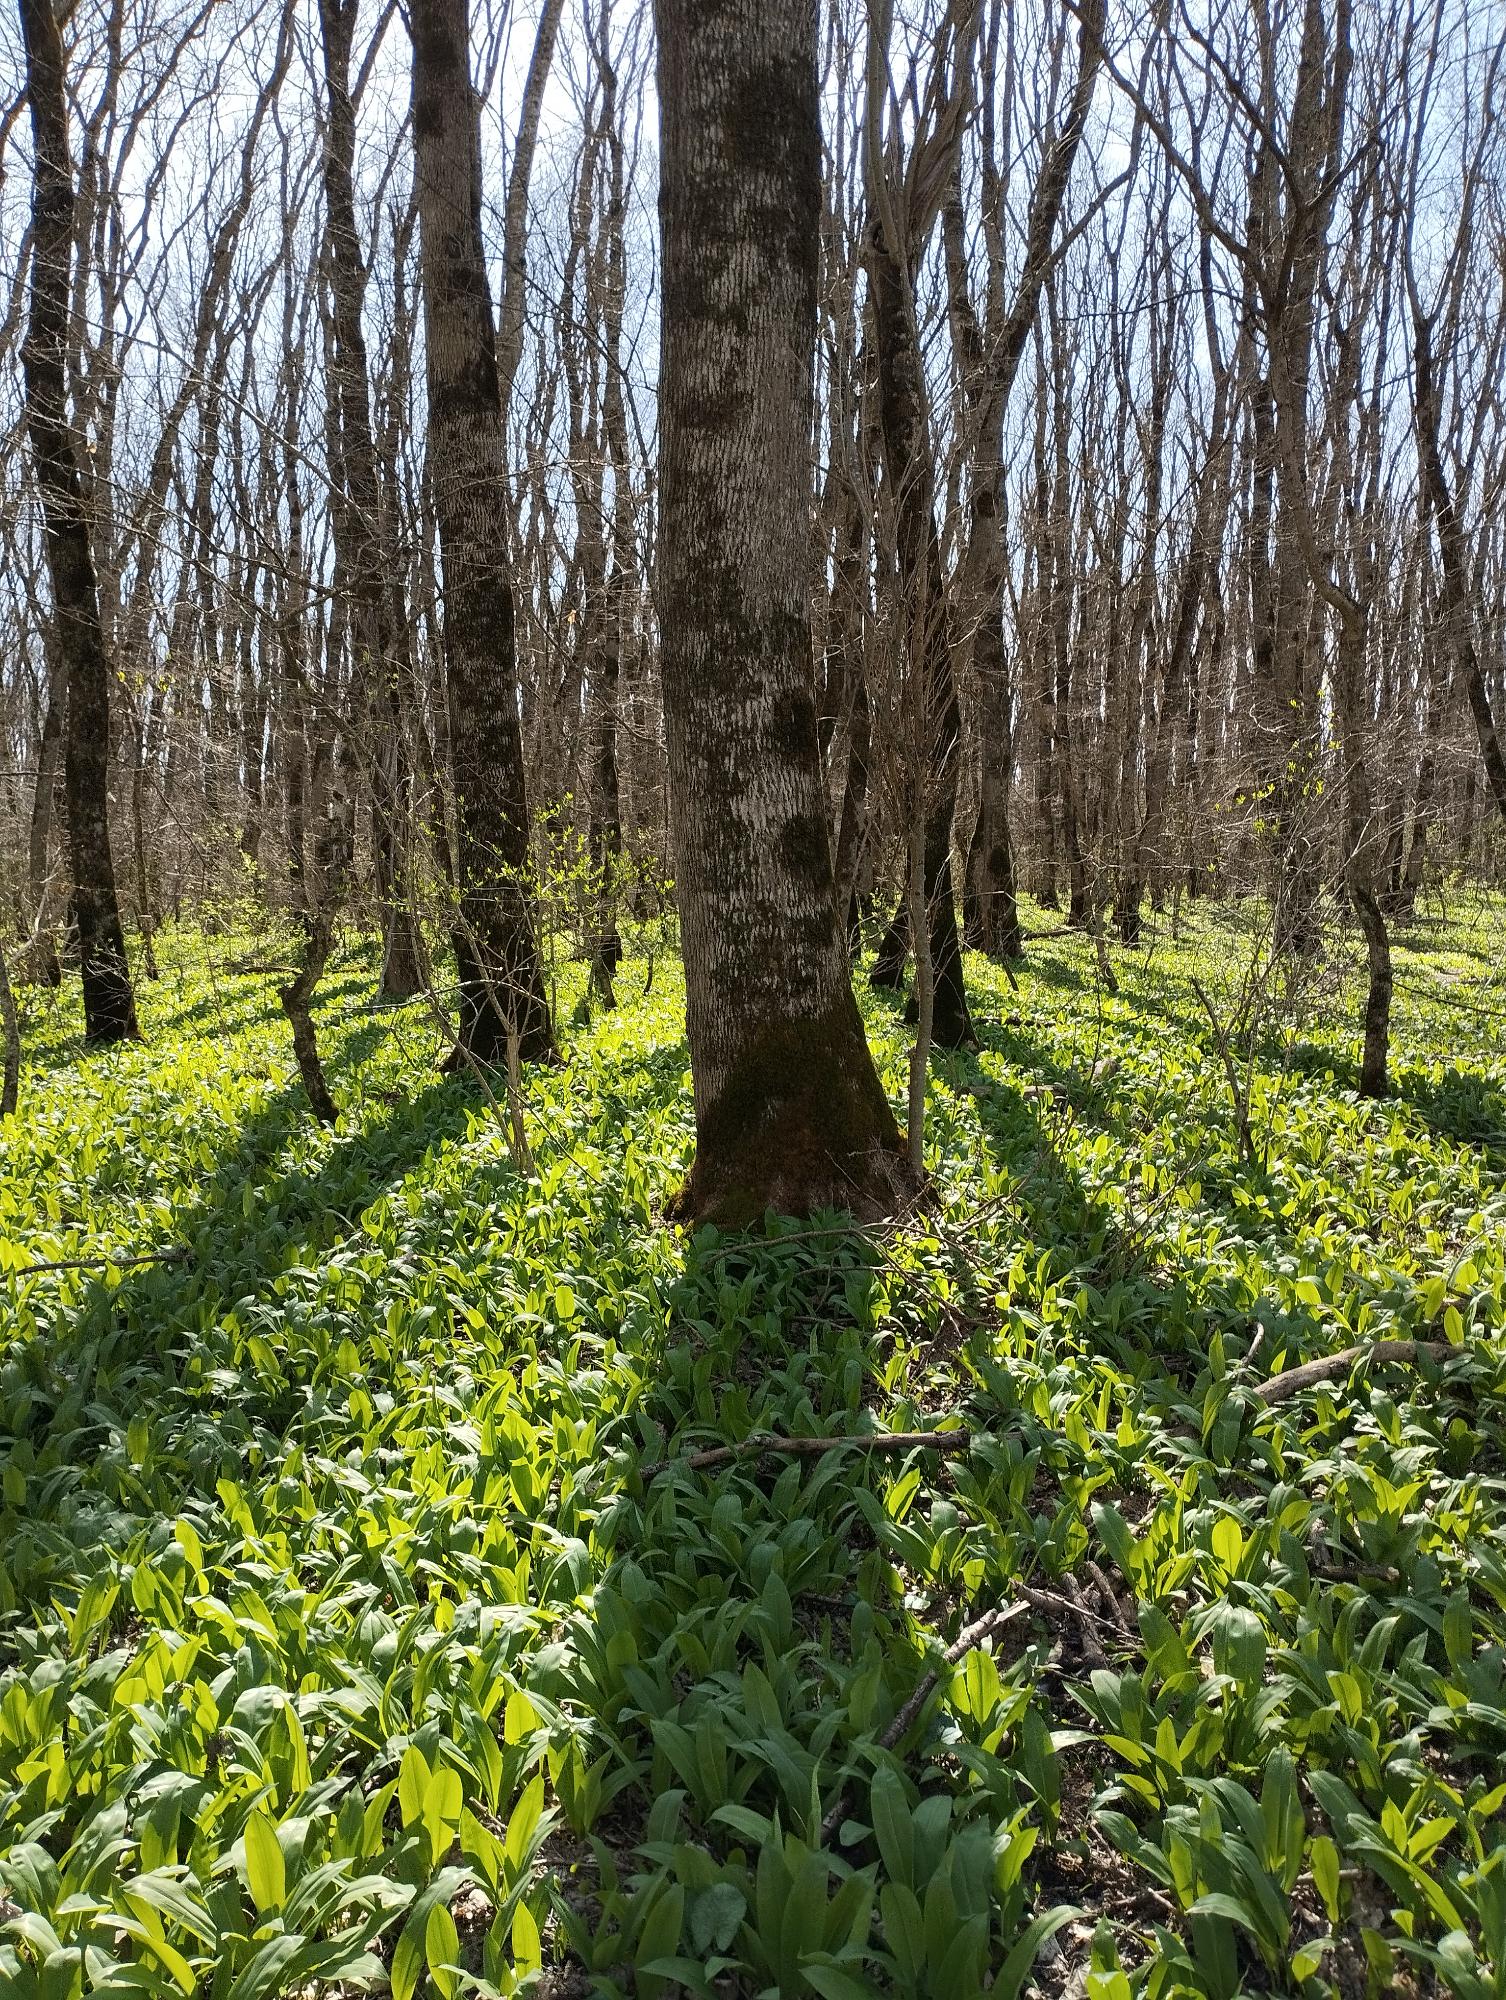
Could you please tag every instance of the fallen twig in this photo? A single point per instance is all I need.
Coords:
(180, 1255)
(1086, 1619)
(1333, 1367)
(811, 1447)
(970, 1636)
(1110, 1599)
(1253, 1352)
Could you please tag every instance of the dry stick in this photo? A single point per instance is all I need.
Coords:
(1253, 1352)
(1081, 1610)
(1332, 1367)
(1110, 1597)
(1094, 1653)
(179, 1256)
(811, 1447)
(970, 1636)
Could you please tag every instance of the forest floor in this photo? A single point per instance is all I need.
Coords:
(366, 1618)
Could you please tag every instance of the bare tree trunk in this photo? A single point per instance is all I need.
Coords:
(789, 1110)
(379, 678)
(501, 985)
(296, 998)
(146, 919)
(937, 757)
(1453, 549)
(109, 1003)
(10, 1039)
(991, 347)
(1178, 703)
(40, 961)
(1362, 842)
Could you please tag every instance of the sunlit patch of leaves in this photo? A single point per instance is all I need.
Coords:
(363, 1629)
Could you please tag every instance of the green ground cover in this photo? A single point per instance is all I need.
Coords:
(362, 1624)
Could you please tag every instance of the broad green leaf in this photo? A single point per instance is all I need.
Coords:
(266, 1872)
(442, 1951)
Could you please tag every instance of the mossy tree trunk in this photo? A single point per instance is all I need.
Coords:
(789, 1110)
(501, 985)
(109, 1002)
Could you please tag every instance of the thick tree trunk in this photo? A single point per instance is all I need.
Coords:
(109, 1003)
(790, 1113)
(501, 986)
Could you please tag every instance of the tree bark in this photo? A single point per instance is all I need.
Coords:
(928, 636)
(379, 676)
(991, 350)
(40, 960)
(1453, 550)
(501, 986)
(606, 790)
(10, 1042)
(109, 1002)
(790, 1113)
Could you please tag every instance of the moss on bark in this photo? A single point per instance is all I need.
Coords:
(801, 1124)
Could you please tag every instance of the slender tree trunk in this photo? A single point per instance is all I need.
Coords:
(992, 348)
(789, 1110)
(40, 961)
(146, 917)
(379, 679)
(927, 626)
(1453, 549)
(1363, 846)
(852, 827)
(501, 984)
(10, 1042)
(109, 1003)
(610, 269)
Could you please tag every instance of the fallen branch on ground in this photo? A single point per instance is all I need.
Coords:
(180, 1255)
(970, 1636)
(1110, 1598)
(1333, 1367)
(811, 1447)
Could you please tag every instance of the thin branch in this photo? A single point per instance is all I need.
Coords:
(970, 1636)
(811, 1447)
(181, 1255)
